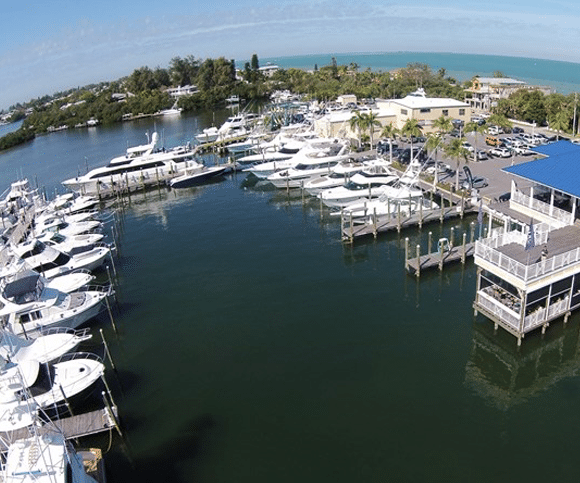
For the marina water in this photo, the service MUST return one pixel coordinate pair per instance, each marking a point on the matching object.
(254, 346)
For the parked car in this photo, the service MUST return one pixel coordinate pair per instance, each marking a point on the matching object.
(517, 130)
(501, 152)
(477, 183)
(468, 146)
(482, 156)
(494, 130)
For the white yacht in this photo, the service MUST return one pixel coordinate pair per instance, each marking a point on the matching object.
(367, 184)
(45, 385)
(52, 262)
(28, 306)
(310, 166)
(339, 175)
(43, 458)
(73, 244)
(140, 166)
(234, 126)
(48, 346)
(313, 148)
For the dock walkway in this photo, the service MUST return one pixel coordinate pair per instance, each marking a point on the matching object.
(439, 259)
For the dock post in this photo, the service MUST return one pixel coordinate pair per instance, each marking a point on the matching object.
(321, 210)
(463, 254)
(421, 212)
(66, 400)
(406, 252)
(442, 208)
(112, 413)
(389, 207)
(341, 224)
(440, 248)
(107, 351)
(418, 273)
(351, 228)
(287, 184)
(399, 218)
(429, 243)
(462, 204)
(452, 238)
(375, 221)
(302, 190)
(471, 231)
(110, 313)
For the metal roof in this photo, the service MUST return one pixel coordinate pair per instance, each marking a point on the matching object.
(560, 170)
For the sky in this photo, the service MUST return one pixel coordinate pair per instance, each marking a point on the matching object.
(46, 47)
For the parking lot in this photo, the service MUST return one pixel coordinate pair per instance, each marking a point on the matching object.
(499, 182)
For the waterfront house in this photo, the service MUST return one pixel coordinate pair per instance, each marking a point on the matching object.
(486, 91)
(528, 269)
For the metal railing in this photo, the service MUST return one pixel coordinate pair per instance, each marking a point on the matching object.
(499, 310)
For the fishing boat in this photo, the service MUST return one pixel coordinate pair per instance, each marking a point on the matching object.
(43, 458)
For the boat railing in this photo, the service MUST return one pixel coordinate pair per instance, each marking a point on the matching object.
(84, 334)
(72, 356)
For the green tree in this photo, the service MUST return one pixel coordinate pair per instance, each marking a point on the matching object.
(411, 129)
(455, 150)
(390, 132)
(560, 122)
(476, 129)
(372, 121)
(358, 123)
(255, 64)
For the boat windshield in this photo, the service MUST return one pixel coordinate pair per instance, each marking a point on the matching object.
(352, 186)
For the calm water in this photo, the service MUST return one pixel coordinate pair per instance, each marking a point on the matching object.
(254, 346)
(563, 77)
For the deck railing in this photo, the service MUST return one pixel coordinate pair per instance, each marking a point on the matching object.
(487, 250)
(526, 201)
(498, 309)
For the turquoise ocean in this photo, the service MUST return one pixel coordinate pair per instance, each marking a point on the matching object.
(563, 77)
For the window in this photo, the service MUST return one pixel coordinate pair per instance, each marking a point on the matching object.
(425, 109)
(404, 112)
(462, 112)
(445, 112)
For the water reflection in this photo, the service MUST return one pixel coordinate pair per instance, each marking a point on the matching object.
(506, 376)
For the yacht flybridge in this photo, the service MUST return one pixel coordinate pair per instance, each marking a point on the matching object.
(140, 166)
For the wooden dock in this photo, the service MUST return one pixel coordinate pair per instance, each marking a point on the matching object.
(352, 229)
(72, 427)
(439, 259)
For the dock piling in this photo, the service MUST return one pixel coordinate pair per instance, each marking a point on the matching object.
(418, 273)
(463, 251)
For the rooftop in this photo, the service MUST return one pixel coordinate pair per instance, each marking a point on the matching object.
(560, 170)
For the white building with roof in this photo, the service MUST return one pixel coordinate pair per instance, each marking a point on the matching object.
(424, 109)
(486, 91)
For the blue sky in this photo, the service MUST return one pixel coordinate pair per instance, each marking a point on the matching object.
(51, 46)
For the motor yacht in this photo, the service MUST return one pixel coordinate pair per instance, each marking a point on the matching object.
(369, 183)
(43, 458)
(28, 306)
(140, 166)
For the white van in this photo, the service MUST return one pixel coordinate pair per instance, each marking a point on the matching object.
(494, 130)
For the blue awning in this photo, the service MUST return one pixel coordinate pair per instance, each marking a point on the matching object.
(560, 170)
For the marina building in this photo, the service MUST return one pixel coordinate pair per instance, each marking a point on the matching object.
(396, 111)
(528, 269)
(486, 91)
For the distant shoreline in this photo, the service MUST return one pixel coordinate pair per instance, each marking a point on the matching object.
(554, 73)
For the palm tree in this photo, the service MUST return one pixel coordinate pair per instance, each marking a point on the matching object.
(500, 121)
(412, 130)
(358, 123)
(372, 120)
(455, 150)
(476, 129)
(560, 122)
(443, 124)
(390, 132)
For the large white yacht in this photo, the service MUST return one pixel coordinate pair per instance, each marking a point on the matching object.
(139, 166)
(28, 306)
(369, 183)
